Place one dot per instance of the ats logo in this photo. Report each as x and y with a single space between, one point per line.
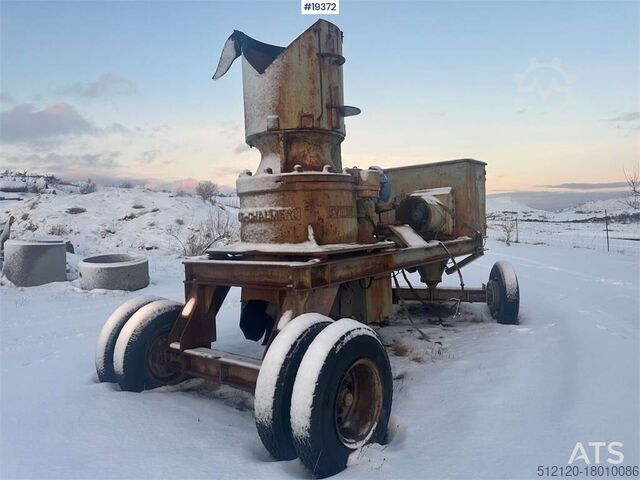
595 453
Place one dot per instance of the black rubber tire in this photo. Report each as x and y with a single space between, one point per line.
506 309
109 335
130 353
275 383
315 393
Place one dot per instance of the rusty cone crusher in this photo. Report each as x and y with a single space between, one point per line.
320 252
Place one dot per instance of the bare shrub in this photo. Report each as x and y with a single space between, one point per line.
633 183
194 240
399 349
24 216
105 230
179 221
58 230
206 190
76 210
137 205
88 187
508 228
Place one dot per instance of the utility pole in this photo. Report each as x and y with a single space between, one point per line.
606 226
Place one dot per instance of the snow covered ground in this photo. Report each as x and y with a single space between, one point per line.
490 401
582 226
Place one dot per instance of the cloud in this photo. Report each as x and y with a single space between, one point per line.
6 98
23 123
625 117
587 186
149 156
60 163
116 128
107 85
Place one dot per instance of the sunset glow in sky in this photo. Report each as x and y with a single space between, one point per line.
545 92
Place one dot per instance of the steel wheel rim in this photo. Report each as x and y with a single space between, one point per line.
157 357
358 404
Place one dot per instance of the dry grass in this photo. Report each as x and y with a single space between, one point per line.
58 230
399 349
418 358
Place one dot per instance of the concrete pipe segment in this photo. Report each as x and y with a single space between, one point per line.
34 262
114 271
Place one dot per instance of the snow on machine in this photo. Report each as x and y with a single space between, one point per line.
321 247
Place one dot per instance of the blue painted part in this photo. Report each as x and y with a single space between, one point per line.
385 188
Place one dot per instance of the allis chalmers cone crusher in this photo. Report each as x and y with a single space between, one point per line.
321 247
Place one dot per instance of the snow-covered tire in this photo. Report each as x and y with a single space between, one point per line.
140 359
109 335
503 293
275 383
341 397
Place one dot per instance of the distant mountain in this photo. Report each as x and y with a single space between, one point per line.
557 201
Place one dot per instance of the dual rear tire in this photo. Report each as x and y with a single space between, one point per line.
132 347
324 390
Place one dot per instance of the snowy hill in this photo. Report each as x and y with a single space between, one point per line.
110 219
500 206
582 226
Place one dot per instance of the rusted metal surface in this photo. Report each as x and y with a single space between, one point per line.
442 294
223 368
196 325
313 273
466 177
293 97
371 299
462 263
294 115
298 207
271 252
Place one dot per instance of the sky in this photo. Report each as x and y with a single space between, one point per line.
547 93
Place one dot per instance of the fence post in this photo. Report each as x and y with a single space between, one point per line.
606 226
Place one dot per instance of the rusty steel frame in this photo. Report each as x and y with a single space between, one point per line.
296 286
441 294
